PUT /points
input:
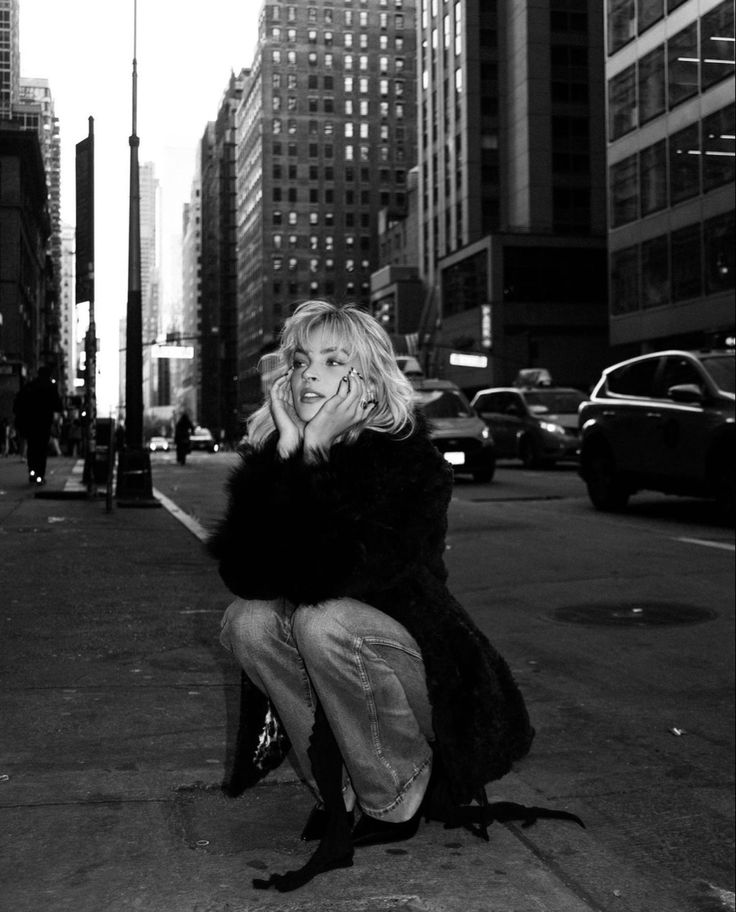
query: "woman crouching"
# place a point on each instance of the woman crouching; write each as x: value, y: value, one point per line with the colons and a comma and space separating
x: 395, y: 704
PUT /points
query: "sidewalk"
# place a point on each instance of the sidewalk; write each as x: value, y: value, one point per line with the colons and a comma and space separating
x: 118, y: 714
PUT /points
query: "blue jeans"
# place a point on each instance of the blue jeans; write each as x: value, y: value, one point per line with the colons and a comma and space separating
x: 368, y: 674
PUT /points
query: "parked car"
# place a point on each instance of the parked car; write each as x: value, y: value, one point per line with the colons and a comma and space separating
x: 456, y: 430
x: 661, y: 422
x: 159, y: 444
x: 538, y: 426
x: 201, y: 438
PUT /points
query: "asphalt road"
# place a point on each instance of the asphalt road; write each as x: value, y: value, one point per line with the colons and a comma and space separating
x: 620, y: 631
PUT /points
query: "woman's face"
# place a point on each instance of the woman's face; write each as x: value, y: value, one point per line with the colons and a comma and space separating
x: 318, y: 371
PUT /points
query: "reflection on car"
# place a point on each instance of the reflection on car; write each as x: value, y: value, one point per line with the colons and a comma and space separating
x: 455, y: 428
x: 202, y: 439
x: 539, y: 426
x: 661, y: 422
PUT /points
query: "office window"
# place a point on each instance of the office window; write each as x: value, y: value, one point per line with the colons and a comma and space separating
x: 625, y: 280
x: 687, y: 263
x: 650, y: 11
x: 716, y: 44
x: 621, y: 23
x: 651, y: 84
x: 719, y: 252
x: 622, y: 102
x: 653, y: 177
x: 685, y: 163
x: 682, y: 65
x: 655, y: 272
x: 624, y: 190
x: 718, y: 149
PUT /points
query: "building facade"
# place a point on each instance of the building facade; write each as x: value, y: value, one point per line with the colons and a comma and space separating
x: 670, y: 77
x: 186, y: 376
x: 151, y: 324
x: 217, y: 342
x: 326, y: 138
x: 24, y: 272
x: 9, y: 57
x: 71, y: 340
x: 512, y: 188
x: 34, y: 110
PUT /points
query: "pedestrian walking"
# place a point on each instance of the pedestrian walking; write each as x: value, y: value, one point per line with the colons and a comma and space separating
x: 36, y: 407
x: 4, y: 436
x: 182, y: 432
x: 352, y: 647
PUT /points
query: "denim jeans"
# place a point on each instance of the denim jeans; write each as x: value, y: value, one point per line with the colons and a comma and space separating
x: 368, y: 674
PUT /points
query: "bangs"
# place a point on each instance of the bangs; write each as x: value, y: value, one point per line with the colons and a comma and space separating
x: 340, y: 332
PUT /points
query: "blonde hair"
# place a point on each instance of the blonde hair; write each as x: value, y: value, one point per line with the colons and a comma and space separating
x: 365, y: 340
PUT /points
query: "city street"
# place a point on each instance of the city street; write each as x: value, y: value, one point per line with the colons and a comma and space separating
x: 619, y: 629
x: 119, y: 709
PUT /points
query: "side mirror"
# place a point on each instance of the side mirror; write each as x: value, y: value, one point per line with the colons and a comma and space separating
x: 685, y: 392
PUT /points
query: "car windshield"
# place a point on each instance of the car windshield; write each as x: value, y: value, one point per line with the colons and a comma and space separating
x: 555, y: 402
x: 721, y: 369
x: 443, y: 404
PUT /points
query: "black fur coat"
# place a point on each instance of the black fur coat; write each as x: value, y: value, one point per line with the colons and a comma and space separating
x: 370, y: 523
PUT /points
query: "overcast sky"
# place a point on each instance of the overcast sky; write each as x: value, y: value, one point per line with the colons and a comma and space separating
x: 186, y: 51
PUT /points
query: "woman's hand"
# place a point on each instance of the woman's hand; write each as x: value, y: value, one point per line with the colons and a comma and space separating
x: 288, y: 424
x: 350, y: 404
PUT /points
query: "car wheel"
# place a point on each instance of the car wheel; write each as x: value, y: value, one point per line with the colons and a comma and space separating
x: 485, y: 475
x: 606, y: 489
x: 528, y: 454
x: 724, y: 487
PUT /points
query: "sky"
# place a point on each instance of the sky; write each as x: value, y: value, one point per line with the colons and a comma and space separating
x: 185, y: 53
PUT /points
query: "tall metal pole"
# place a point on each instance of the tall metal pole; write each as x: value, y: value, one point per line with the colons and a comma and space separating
x: 91, y: 338
x: 134, y: 462
x: 134, y: 324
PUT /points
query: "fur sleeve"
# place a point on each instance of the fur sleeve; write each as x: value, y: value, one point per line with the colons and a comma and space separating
x: 356, y: 524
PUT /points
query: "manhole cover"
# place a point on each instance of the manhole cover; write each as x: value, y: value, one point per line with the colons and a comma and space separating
x: 633, y: 614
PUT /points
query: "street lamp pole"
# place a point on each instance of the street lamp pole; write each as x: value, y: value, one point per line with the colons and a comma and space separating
x: 134, y: 486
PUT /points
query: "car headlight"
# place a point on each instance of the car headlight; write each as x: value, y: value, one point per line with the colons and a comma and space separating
x: 551, y: 427
x: 485, y: 433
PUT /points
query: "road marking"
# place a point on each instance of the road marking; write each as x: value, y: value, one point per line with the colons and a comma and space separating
x: 184, y: 518
x: 724, y: 546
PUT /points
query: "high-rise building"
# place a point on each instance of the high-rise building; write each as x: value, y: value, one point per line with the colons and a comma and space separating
x: 512, y: 187
x: 217, y: 343
x: 34, y: 110
x: 326, y: 138
x: 150, y: 290
x: 186, y: 378
x: 9, y: 57
x: 24, y: 233
x: 671, y: 164
x: 70, y: 339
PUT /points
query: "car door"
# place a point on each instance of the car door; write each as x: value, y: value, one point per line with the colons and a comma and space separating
x: 630, y: 414
x: 490, y: 407
x: 679, y: 434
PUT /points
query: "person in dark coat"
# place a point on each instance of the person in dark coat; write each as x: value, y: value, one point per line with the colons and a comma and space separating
x: 395, y: 703
x: 182, y: 432
x: 36, y: 408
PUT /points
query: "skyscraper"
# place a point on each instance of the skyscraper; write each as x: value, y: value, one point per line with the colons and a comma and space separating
x: 217, y: 340
x: 671, y: 157
x: 512, y: 187
x: 326, y: 138
x: 34, y: 110
x: 9, y: 58
x: 150, y: 290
